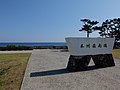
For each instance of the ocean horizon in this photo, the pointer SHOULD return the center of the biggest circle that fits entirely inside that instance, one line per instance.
(4, 44)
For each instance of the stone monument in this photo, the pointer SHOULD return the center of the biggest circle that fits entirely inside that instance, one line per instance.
(83, 49)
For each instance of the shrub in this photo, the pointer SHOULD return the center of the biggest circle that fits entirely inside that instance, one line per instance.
(14, 47)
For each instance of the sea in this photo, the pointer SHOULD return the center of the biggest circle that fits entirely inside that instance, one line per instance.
(4, 44)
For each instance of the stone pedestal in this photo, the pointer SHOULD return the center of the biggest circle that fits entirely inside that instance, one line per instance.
(78, 63)
(103, 60)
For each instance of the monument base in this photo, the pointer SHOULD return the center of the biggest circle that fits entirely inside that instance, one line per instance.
(80, 63)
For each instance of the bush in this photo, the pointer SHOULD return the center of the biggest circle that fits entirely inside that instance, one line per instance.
(14, 47)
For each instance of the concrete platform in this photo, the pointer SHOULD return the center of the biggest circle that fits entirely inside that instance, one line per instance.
(46, 70)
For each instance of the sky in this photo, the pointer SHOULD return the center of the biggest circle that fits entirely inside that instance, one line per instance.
(51, 20)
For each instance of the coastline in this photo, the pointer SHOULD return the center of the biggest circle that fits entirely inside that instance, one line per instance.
(32, 44)
(10, 46)
(20, 48)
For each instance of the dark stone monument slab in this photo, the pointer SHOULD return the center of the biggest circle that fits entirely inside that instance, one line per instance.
(80, 63)
(103, 60)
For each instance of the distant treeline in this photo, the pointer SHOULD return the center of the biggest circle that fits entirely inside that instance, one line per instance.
(14, 47)
(116, 45)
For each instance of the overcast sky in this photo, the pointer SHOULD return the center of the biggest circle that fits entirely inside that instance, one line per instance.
(51, 20)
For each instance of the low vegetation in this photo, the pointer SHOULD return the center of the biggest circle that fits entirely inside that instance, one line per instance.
(116, 53)
(12, 68)
(14, 47)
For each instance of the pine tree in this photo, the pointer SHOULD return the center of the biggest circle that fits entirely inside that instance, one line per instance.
(88, 26)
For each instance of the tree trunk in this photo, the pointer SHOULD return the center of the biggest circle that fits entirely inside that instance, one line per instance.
(87, 34)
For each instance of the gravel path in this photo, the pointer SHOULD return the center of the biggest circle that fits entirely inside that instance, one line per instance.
(23, 51)
(46, 71)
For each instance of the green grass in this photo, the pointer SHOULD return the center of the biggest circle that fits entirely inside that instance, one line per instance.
(116, 53)
(12, 68)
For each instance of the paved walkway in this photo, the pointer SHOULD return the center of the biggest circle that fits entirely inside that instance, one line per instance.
(46, 71)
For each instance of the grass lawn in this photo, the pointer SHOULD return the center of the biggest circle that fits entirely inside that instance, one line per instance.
(116, 53)
(12, 68)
